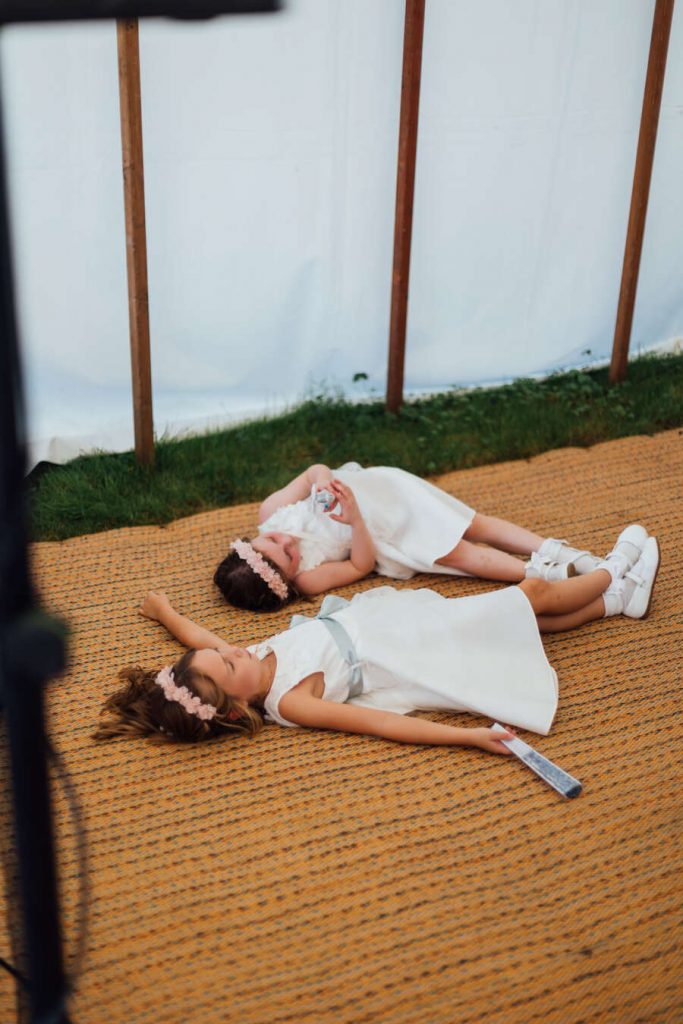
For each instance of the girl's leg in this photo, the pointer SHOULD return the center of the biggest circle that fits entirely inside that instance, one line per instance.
(485, 563)
(560, 623)
(564, 597)
(502, 535)
(499, 533)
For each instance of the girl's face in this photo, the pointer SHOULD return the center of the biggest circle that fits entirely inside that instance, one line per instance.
(282, 549)
(235, 671)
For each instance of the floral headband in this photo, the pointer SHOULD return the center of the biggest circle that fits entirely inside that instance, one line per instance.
(193, 705)
(258, 564)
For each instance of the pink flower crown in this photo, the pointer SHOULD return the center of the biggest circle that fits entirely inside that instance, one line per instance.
(258, 564)
(181, 695)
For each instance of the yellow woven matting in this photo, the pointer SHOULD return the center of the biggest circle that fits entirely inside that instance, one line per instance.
(312, 877)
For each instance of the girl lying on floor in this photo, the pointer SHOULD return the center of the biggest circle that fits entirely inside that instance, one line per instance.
(360, 666)
(380, 519)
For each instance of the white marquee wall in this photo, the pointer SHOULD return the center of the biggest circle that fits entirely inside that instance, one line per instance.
(270, 154)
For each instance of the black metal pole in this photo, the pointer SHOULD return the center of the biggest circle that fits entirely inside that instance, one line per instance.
(32, 644)
(81, 10)
(31, 648)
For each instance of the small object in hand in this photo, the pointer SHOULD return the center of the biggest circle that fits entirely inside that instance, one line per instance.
(322, 500)
(560, 780)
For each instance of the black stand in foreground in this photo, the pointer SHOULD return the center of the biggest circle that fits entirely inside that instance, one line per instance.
(31, 649)
(31, 644)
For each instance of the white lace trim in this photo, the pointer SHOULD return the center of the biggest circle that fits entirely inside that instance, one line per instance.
(261, 649)
(320, 539)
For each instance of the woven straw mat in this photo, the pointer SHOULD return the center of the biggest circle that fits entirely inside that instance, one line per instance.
(313, 877)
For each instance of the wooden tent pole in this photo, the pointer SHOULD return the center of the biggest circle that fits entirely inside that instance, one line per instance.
(405, 187)
(652, 98)
(136, 239)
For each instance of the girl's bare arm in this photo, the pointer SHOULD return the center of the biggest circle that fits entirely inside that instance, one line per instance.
(296, 489)
(303, 709)
(156, 606)
(361, 561)
(328, 576)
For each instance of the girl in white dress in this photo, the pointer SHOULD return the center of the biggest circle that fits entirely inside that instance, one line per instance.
(382, 519)
(361, 666)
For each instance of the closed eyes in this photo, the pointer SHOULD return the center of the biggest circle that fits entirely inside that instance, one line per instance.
(216, 649)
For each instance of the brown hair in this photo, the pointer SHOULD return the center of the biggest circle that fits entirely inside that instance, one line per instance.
(140, 708)
(243, 588)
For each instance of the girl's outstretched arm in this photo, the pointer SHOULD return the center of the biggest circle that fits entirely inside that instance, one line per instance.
(302, 708)
(156, 606)
(295, 490)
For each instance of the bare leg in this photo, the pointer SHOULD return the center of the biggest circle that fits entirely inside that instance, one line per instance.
(485, 563)
(502, 535)
(560, 623)
(565, 597)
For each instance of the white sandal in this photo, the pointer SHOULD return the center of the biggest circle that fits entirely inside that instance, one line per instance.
(540, 568)
(643, 574)
(560, 551)
(627, 551)
(631, 595)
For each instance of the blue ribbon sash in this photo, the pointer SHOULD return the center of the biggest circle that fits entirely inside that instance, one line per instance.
(330, 605)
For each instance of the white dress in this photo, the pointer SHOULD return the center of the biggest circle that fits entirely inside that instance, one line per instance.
(411, 522)
(420, 651)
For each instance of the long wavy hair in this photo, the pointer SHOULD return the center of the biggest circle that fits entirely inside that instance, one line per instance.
(243, 588)
(140, 708)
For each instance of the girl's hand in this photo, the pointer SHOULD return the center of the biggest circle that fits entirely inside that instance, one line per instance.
(154, 606)
(489, 739)
(350, 513)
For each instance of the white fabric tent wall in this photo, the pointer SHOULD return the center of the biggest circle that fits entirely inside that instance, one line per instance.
(270, 164)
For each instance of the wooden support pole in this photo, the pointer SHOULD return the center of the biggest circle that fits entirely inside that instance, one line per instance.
(652, 98)
(136, 238)
(405, 187)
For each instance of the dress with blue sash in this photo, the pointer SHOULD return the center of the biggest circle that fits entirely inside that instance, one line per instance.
(408, 650)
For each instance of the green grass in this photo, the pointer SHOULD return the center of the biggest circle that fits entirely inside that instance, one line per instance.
(432, 435)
